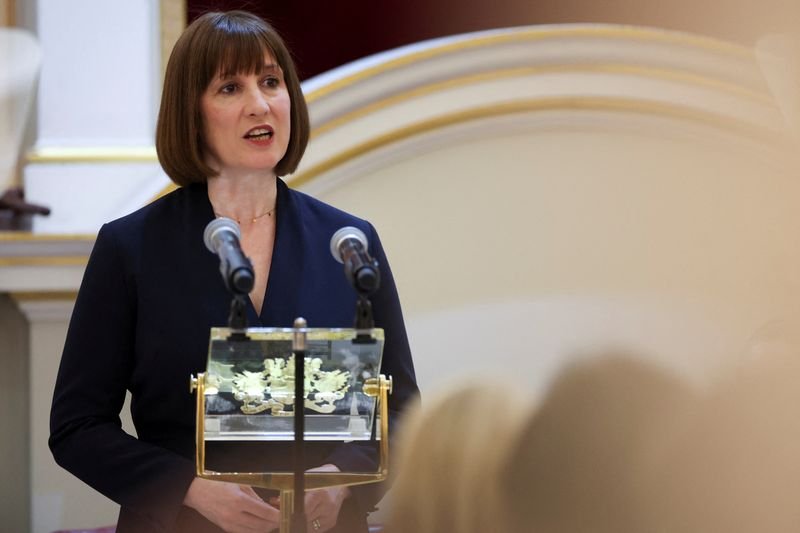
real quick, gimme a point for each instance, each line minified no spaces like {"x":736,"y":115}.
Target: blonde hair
{"x":450,"y":454}
{"x":618,"y":445}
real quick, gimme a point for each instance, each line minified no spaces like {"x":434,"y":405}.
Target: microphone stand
{"x":298,"y":524}
{"x":237,"y":319}
{"x":364,"y":322}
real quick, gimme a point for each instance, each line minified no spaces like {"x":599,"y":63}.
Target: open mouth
{"x":259,"y":134}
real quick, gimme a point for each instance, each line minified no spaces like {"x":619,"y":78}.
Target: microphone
{"x":222,"y":238}
{"x":349,"y":247}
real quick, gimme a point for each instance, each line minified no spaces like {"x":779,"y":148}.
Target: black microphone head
{"x":242,"y":281}
{"x":367,"y":280}
{"x":216,"y":226}
{"x":342,"y":234}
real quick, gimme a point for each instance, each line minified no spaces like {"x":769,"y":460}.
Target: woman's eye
{"x":228,"y":88}
{"x":271,"y":81}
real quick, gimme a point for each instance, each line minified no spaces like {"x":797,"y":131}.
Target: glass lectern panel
{"x":249,"y":385}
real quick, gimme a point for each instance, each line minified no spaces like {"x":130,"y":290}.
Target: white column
{"x":98,"y":96}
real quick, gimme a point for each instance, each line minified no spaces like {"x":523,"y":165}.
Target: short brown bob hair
{"x":219,"y":43}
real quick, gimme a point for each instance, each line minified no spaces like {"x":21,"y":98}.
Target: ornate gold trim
{"x":170,"y":9}
{"x":93,"y":154}
{"x":611,"y":68}
{"x":527,"y":106}
{"x":56,"y":260}
{"x":11,"y":13}
{"x":172,"y":18}
{"x":538,"y":34}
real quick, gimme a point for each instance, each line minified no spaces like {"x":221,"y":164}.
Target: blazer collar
{"x":285,"y":279}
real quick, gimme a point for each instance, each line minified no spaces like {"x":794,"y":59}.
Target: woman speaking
{"x":232,"y":121}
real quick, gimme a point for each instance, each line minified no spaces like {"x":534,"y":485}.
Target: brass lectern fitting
{"x":372,"y":386}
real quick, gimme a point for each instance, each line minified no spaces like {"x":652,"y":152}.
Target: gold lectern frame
{"x":379,"y":388}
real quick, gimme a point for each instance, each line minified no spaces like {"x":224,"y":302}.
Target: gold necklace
{"x":252,"y":220}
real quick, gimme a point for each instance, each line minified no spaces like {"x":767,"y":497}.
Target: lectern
{"x":249,"y":393}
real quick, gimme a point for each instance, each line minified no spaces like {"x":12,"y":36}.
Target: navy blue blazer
{"x":149,"y":295}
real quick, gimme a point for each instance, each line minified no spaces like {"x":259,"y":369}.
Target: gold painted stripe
{"x":11,"y":13}
{"x":528,"y":106}
{"x":172,"y":17}
{"x":539,"y":34}
{"x":56,"y":260}
{"x":148,"y":153}
{"x":22,"y":236}
{"x":645,"y":72}
{"x":29,"y":296}
{"x":93,"y":154}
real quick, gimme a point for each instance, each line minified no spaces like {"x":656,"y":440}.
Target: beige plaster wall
{"x":518,"y":252}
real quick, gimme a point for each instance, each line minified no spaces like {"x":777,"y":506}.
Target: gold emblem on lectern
{"x":273,"y":388}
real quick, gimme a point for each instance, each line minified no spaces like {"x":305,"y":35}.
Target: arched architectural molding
{"x":611,"y":175}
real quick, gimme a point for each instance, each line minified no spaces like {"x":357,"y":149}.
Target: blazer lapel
{"x":202,"y":264}
{"x":286,"y":272}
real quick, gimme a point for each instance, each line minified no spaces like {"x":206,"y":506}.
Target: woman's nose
{"x":257,"y":103}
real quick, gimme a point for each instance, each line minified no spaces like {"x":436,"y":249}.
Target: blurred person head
{"x":218,"y":46}
{"x":577,"y":464}
{"x":617,"y":445}
{"x":450,"y":452}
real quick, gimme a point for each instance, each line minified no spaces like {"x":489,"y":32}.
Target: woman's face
{"x":246,"y":120}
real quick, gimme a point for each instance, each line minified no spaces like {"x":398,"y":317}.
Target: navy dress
{"x":141,"y":321}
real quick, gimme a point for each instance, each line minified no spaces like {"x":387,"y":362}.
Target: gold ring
{"x":316,"y":524}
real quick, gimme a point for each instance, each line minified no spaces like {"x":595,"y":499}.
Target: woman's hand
{"x":322,"y":505}
{"x":234,"y":508}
